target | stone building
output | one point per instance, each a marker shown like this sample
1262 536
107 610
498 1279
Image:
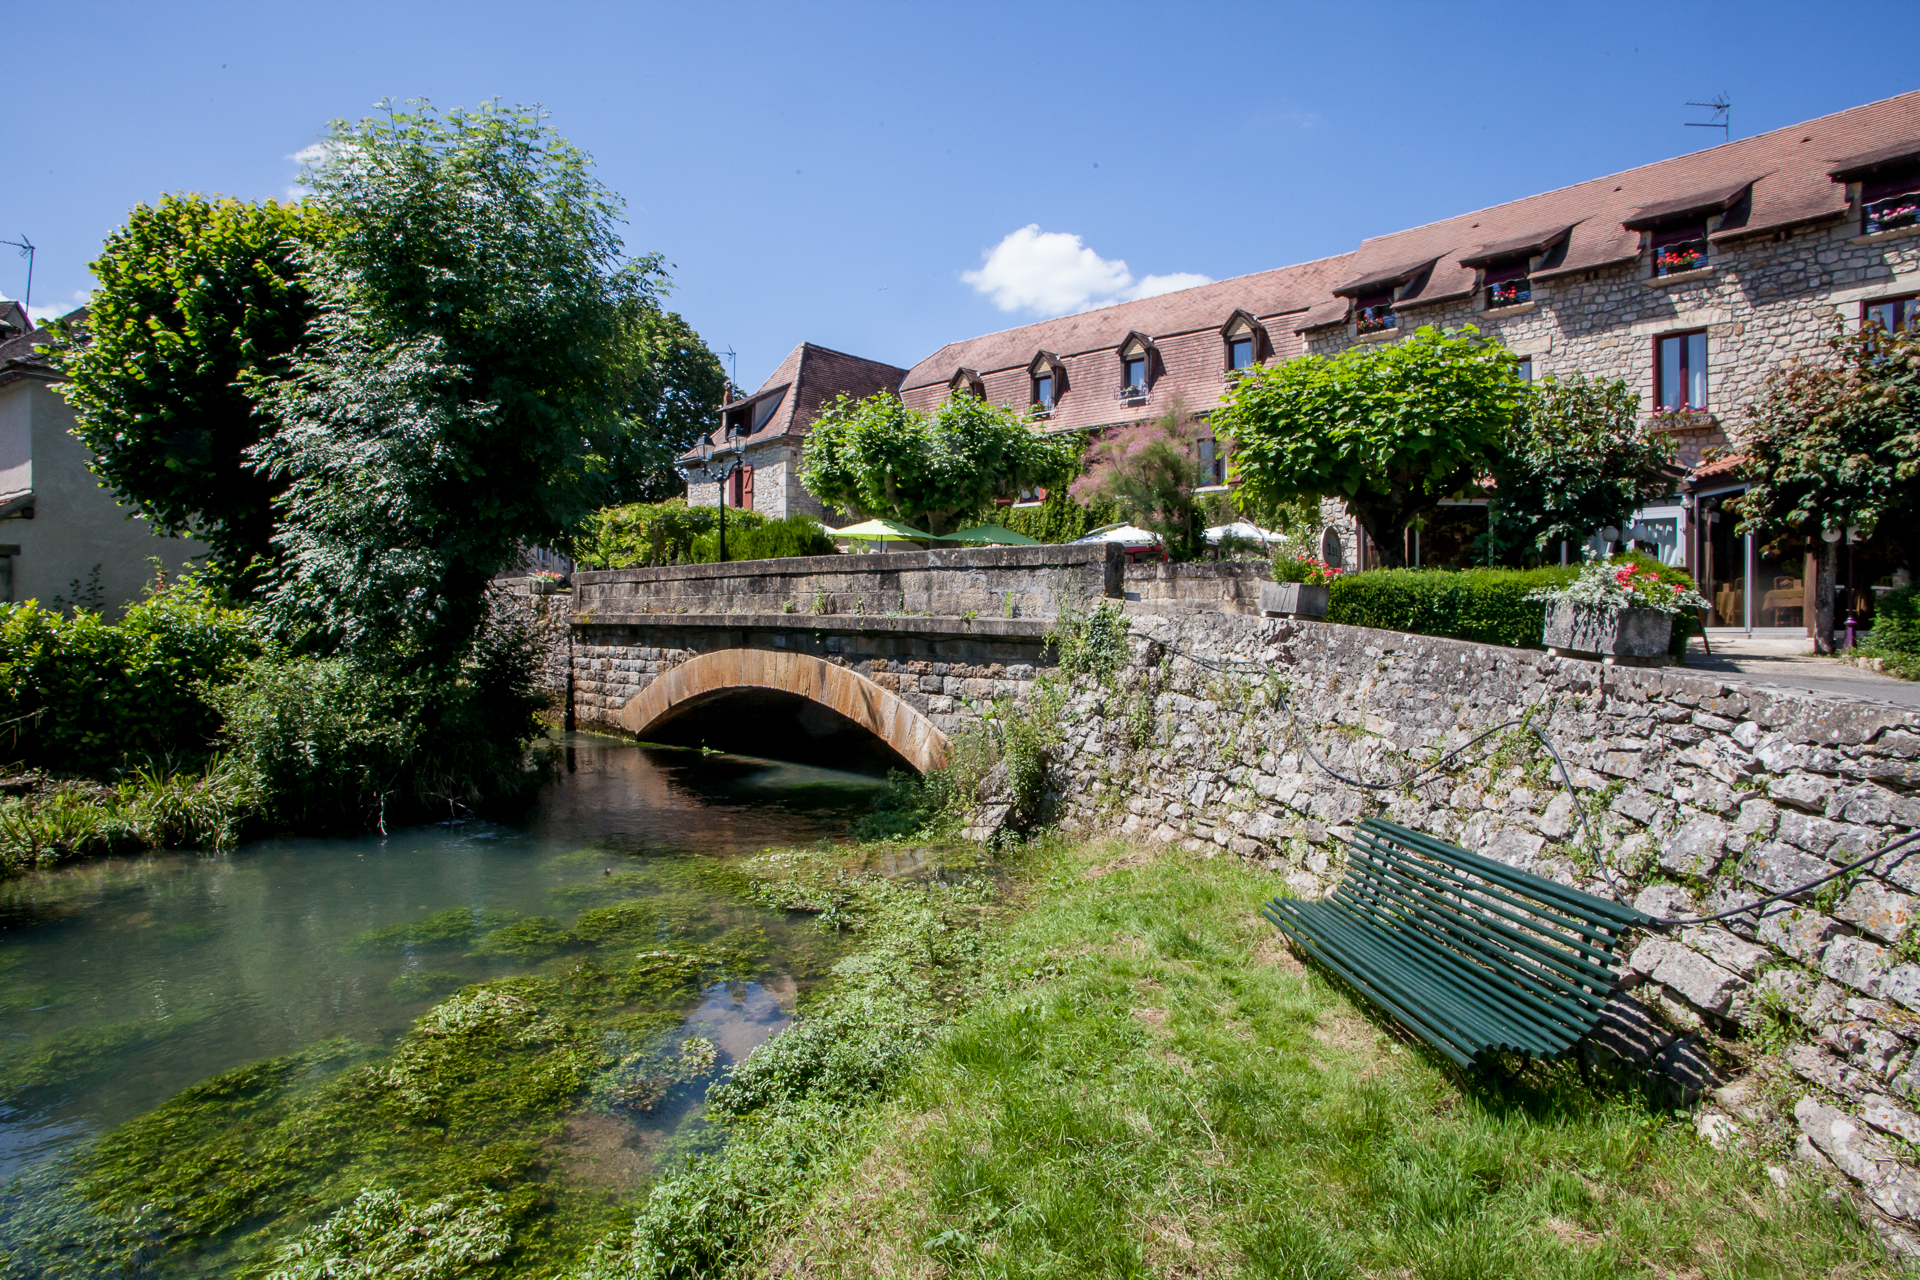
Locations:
62 535
769 426
1690 278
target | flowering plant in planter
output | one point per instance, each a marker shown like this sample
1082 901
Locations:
1304 567
1679 258
1892 213
1626 586
546 575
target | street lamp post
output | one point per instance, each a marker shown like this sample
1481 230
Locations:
1853 622
716 465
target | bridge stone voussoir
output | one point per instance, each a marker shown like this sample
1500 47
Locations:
879 711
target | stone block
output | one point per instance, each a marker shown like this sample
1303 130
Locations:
1804 831
1801 790
1856 1152
1514 847
1778 867
1696 848
1901 984
1726 950
1873 804
1696 979
1857 963
1801 932
1876 909
1635 803
1560 819
1646 957
1666 901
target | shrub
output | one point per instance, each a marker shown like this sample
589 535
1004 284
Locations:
1896 632
81 694
1486 605
1490 606
1059 518
764 539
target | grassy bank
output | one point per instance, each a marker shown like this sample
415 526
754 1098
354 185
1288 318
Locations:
1138 1080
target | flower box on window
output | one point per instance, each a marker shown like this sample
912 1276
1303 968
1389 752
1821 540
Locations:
1375 319
1509 293
1671 260
1682 419
1892 213
1132 393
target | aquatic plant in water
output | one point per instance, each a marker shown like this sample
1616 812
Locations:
381 1236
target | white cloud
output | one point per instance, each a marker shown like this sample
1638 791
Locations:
45 309
1052 273
311 154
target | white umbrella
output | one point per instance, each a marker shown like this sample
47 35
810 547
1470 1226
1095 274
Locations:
1245 530
1126 535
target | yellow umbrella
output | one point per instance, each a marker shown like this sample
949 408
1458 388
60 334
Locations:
882 531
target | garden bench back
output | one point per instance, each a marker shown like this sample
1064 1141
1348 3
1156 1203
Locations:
1469 954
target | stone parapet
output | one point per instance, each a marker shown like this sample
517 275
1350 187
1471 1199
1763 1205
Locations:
986 582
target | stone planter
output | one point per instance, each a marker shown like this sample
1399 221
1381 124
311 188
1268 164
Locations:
1628 637
543 587
1293 599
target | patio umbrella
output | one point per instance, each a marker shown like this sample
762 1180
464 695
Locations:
991 535
1245 530
1125 534
882 531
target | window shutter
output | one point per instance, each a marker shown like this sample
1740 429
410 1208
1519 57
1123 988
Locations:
746 488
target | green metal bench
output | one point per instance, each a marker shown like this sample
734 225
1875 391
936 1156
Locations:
1467 953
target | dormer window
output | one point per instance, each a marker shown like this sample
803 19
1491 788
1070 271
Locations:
1891 204
1240 353
966 382
1043 393
1136 367
1374 313
1507 285
1047 379
1245 342
1678 249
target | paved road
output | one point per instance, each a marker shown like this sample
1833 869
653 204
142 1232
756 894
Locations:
1787 664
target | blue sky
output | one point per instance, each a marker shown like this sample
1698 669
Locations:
839 173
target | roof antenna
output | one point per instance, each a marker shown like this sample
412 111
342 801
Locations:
1722 109
25 246
733 378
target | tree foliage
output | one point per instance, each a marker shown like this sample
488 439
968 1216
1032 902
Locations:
1834 445
1391 429
934 471
676 388
468 367
196 299
1152 474
1577 460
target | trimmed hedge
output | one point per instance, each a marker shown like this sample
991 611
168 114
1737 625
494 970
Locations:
1489 606
1895 635
1485 605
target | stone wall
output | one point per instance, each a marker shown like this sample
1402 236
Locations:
1220 586
989 582
1705 797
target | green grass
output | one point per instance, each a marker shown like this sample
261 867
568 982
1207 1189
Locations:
1157 1088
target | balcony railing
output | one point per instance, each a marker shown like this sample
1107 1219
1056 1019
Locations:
1892 213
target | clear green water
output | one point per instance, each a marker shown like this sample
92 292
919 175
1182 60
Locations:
124 982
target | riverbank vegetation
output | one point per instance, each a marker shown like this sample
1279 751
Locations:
187 723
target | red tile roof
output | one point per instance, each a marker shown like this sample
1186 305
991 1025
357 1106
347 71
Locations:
805 381
1767 182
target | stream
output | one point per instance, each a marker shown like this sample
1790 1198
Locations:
124 982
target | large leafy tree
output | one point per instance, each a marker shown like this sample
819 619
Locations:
467 374
197 299
677 384
1834 445
931 470
1577 460
1391 429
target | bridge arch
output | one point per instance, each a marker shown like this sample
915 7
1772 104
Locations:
879 711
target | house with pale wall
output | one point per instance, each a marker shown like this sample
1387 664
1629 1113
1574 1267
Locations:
1691 278
59 527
